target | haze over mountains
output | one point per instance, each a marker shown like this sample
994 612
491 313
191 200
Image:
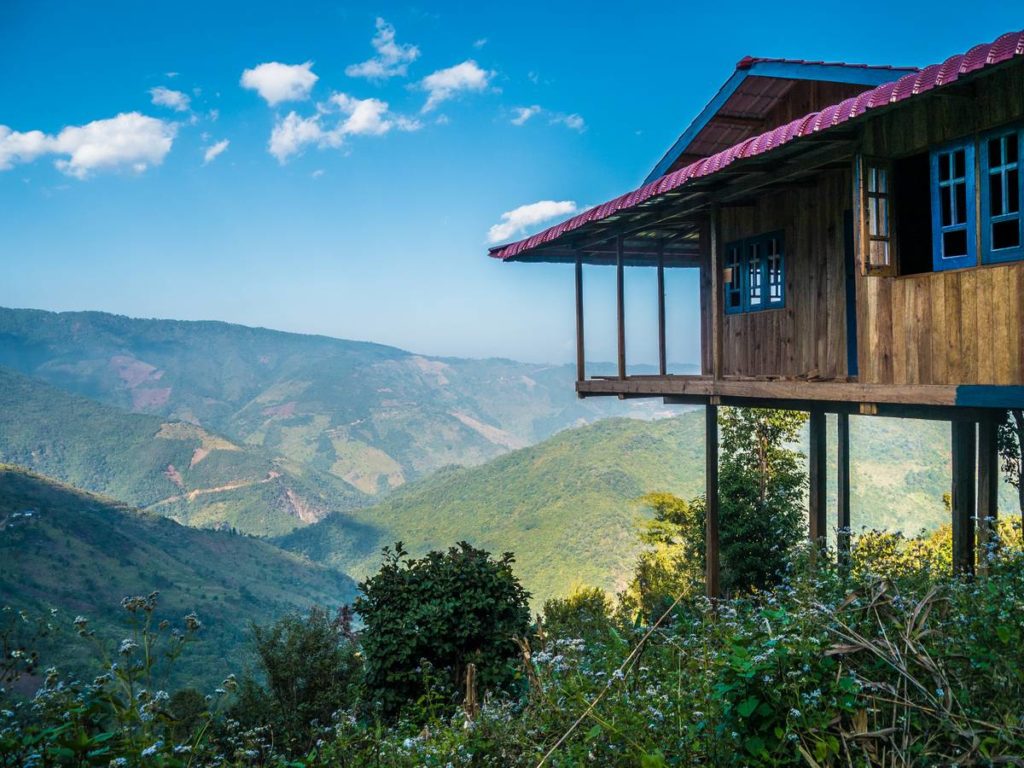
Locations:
336 448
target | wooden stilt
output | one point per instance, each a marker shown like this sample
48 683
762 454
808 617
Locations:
581 363
964 439
988 489
843 488
662 355
817 520
711 556
620 301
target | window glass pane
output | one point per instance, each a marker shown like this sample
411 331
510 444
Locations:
1006 234
883 217
1012 191
954 243
995 193
960 163
873 215
944 161
883 180
754 275
872 179
960 212
945 195
879 253
995 152
1012 148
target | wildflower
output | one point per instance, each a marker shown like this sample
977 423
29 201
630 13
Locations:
152 749
127 647
192 623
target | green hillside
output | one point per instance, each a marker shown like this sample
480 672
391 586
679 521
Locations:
177 469
80 553
567 507
371 415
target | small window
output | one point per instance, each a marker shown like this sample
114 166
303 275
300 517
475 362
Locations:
877 204
952 178
754 274
1002 228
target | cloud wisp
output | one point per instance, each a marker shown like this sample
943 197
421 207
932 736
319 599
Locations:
341 116
519 220
277 83
392 59
522 114
445 84
214 151
167 97
128 141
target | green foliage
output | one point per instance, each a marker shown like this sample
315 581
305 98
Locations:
761 488
585 613
310 669
79 553
447 609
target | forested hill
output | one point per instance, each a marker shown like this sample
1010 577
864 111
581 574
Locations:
81 554
373 416
567 507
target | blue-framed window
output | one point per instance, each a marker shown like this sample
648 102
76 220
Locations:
755 274
953 227
1002 187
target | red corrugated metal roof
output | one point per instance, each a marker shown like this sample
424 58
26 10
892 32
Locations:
1004 48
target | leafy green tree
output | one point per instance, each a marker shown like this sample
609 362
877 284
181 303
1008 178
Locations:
1010 439
443 612
761 488
584 614
310 670
673 561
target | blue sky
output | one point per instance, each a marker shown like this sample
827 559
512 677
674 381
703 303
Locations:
364 168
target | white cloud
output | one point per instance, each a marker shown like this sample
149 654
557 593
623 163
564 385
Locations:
573 121
447 83
480 43
392 59
213 152
277 82
293 133
16 147
130 140
363 117
165 97
317 173
518 220
525 113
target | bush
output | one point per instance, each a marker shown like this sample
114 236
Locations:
449 609
586 613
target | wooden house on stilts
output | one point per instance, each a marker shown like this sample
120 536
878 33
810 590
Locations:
860 241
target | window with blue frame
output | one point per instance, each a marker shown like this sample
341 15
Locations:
754 274
1002 226
953 227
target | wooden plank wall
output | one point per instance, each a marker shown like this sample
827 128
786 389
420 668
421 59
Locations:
807 338
955 327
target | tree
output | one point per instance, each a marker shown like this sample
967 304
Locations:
761 487
1010 439
673 561
448 609
310 670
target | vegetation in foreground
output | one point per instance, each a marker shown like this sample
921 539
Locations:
884 659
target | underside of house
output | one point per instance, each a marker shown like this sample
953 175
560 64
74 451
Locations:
860 244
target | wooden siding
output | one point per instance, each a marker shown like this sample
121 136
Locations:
958 327
807 338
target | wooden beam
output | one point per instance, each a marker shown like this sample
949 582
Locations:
662 354
963 444
843 488
712 579
620 303
581 362
988 489
817 520
716 291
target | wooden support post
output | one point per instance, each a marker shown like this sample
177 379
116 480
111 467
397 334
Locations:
817 521
964 451
988 489
711 558
716 292
662 355
581 362
620 301
843 488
